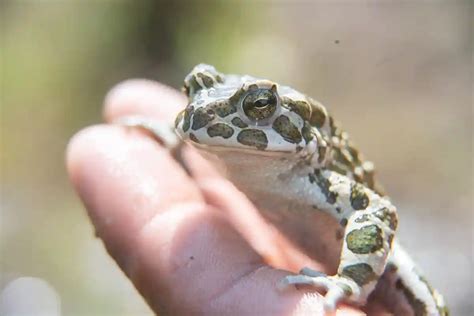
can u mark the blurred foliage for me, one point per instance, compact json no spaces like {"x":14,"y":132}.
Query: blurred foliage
{"x":397,"y":75}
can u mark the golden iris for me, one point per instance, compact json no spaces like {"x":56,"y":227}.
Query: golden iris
{"x":260,"y":104}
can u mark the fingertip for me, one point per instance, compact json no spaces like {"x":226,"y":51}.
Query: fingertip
{"x":77,"y":147}
{"x":143,"y":97}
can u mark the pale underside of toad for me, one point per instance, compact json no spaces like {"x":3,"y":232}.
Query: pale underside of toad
{"x":286,"y":153}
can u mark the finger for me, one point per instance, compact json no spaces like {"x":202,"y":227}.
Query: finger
{"x":144,"y":97}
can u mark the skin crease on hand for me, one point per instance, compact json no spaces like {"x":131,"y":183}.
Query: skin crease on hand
{"x":189,"y":245}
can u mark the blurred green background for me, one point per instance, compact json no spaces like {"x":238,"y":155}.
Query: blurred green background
{"x":397,"y":75}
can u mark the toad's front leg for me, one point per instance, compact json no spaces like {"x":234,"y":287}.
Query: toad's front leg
{"x":370,"y":223}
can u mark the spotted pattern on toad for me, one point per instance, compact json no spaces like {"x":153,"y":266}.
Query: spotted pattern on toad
{"x":289,"y":148}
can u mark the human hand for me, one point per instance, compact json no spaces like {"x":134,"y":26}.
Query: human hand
{"x":189,"y":245}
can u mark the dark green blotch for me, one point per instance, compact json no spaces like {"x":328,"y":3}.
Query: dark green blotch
{"x":359,"y":199}
{"x":346,"y":288}
{"x":343,"y":222}
{"x":188,"y":112}
{"x":254,"y":138}
{"x":235,"y":98}
{"x":341,"y":156}
{"x":208,"y":81}
{"x":237,"y":121}
{"x":318,"y":115}
{"x":361,"y":273}
{"x":201,"y":118}
{"x":365,"y":240}
{"x":363,"y":218}
{"x":306,"y":131}
{"x":419,"y":308}
{"x":286,"y":129}
{"x":222,"y":108}
{"x":179,"y":118}
{"x":191,"y":87}
{"x":324,"y":184}
{"x":388,"y":217}
{"x":220,"y":129}
{"x":299,"y":107}
{"x":321,"y":153}
{"x":193,"y":138}
{"x":219,"y":78}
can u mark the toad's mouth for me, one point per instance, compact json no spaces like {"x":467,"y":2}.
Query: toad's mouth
{"x":249,"y":151}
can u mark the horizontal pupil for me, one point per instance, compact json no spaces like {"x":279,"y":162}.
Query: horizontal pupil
{"x":261,"y":103}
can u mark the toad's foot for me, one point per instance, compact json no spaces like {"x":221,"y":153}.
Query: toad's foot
{"x":337,"y":288}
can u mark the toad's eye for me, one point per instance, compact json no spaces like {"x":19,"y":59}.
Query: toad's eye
{"x":260,"y":104}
